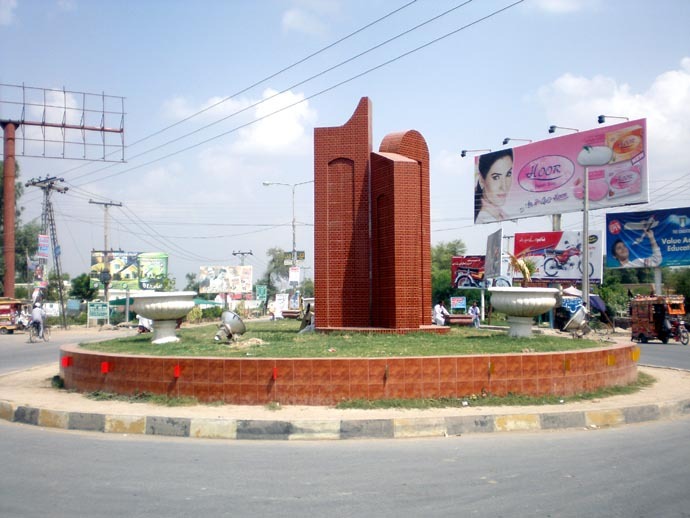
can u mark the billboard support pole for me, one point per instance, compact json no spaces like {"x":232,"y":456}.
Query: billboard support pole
{"x":657,"y":280}
{"x":585,"y":242}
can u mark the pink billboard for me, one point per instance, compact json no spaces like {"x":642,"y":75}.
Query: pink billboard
{"x":546,"y":178}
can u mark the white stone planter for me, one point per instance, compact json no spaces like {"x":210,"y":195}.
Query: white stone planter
{"x":164,"y":308}
{"x":522,"y":305}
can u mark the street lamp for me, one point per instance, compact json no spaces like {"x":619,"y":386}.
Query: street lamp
{"x":552,"y":128}
{"x":508,"y":139}
{"x":294,"y":236}
{"x":464,"y":152}
{"x":602,"y":118}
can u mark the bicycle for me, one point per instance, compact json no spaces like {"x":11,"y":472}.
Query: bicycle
{"x":33,"y":333}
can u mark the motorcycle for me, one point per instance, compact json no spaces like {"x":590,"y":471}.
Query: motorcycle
{"x":470,"y":278}
{"x":677,"y":329}
{"x":565,"y":259}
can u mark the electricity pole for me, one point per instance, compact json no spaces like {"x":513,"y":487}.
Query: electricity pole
{"x":242,"y":254}
{"x":106,"y":278}
{"x":47,"y":185}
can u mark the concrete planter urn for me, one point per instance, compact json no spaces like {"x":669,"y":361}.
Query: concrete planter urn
{"x":522,"y":305}
{"x":164,"y":308}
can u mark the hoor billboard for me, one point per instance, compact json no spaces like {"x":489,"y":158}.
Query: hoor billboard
{"x":648,"y":239}
{"x":546,"y":177}
{"x":558,"y":255}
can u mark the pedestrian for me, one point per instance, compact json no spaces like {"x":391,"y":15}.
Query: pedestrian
{"x":440,"y":314}
{"x":474,"y":311}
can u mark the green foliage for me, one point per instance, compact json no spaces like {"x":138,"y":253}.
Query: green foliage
{"x":213,"y":313}
{"x":307,"y":288}
{"x":679,"y":280}
{"x":195,"y":315}
{"x":168,"y":283}
{"x":441,"y":256}
{"x":276,"y":271}
{"x":81,"y":288}
{"x":192,"y":282}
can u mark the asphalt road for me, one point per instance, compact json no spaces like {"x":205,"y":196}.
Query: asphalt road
{"x":637,"y":470}
{"x":633,"y":471}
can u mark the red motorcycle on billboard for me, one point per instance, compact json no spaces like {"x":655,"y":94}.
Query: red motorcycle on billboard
{"x":566,"y":259}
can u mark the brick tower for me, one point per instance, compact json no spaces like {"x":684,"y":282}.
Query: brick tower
{"x":372,"y":228}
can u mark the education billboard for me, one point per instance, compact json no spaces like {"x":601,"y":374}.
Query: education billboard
{"x":236,"y":280}
{"x":558,"y":255}
{"x":128,"y":270}
{"x":648,"y":239}
{"x":546,"y":177}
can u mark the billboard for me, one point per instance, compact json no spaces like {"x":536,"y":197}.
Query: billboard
{"x":236,"y":280}
{"x":494,"y":249}
{"x":648,"y":239}
{"x":128,"y":270}
{"x":467,"y":271}
{"x":558,"y":255}
{"x":545,"y":177}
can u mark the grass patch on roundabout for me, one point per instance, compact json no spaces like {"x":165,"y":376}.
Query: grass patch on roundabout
{"x":280,"y":339}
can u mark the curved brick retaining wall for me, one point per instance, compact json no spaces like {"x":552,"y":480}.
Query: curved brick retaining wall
{"x":326,"y":381}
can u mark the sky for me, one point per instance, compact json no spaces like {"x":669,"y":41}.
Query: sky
{"x":220,"y":96}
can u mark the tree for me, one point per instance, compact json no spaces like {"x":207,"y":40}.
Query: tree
{"x":276,"y":272}
{"x":441,"y":256}
{"x":81,"y":288}
{"x":192,"y":282}
{"x":307,"y":288}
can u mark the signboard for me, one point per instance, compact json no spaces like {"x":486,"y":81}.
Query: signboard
{"x":299,"y":254}
{"x":546,"y":177}
{"x":97,"y":310}
{"x":43,"y":250}
{"x":294,"y":274}
{"x":261,"y":292}
{"x":236,"y":280}
{"x":648,"y":239}
{"x":458,"y":303}
{"x":558,"y":255}
{"x":128,"y":270}
{"x":467,"y":271}
{"x":493,"y":254}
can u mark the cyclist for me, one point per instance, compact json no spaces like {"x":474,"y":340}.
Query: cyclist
{"x":38,"y":316}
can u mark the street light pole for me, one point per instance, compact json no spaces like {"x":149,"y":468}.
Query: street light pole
{"x":294,"y":221}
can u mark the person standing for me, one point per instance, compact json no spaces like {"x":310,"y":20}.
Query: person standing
{"x":474,"y":311}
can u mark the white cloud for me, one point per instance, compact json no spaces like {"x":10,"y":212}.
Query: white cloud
{"x":575,"y":102}
{"x":67,"y":5}
{"x":7,"y":8}
{"x":299,"y":20}
{"x":309,"y":16}
{"x":565,"y":6}
{"x":285,"y":132}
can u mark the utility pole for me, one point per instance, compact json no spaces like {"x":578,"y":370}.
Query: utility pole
{"x":106,"y":277}
{"x":242,"y":254}
{"x":47,"y":185}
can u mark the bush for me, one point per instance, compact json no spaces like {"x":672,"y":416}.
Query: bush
{"x":213,"y":313}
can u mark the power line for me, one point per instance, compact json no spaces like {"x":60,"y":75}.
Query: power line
{"x":321,"y":92}
{"x":265,"y":79}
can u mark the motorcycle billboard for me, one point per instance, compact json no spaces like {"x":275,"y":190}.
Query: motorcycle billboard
{"x":468,"y":271}
{"x":547,"y":177}
{"x":557,"y":256}
{"x":648,"y":239}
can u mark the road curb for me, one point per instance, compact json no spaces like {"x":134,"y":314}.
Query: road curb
{"x":340,"y":429}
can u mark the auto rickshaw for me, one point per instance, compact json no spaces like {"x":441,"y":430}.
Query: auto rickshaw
{"x":10,"y":312}
{"x":658,"y":318}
